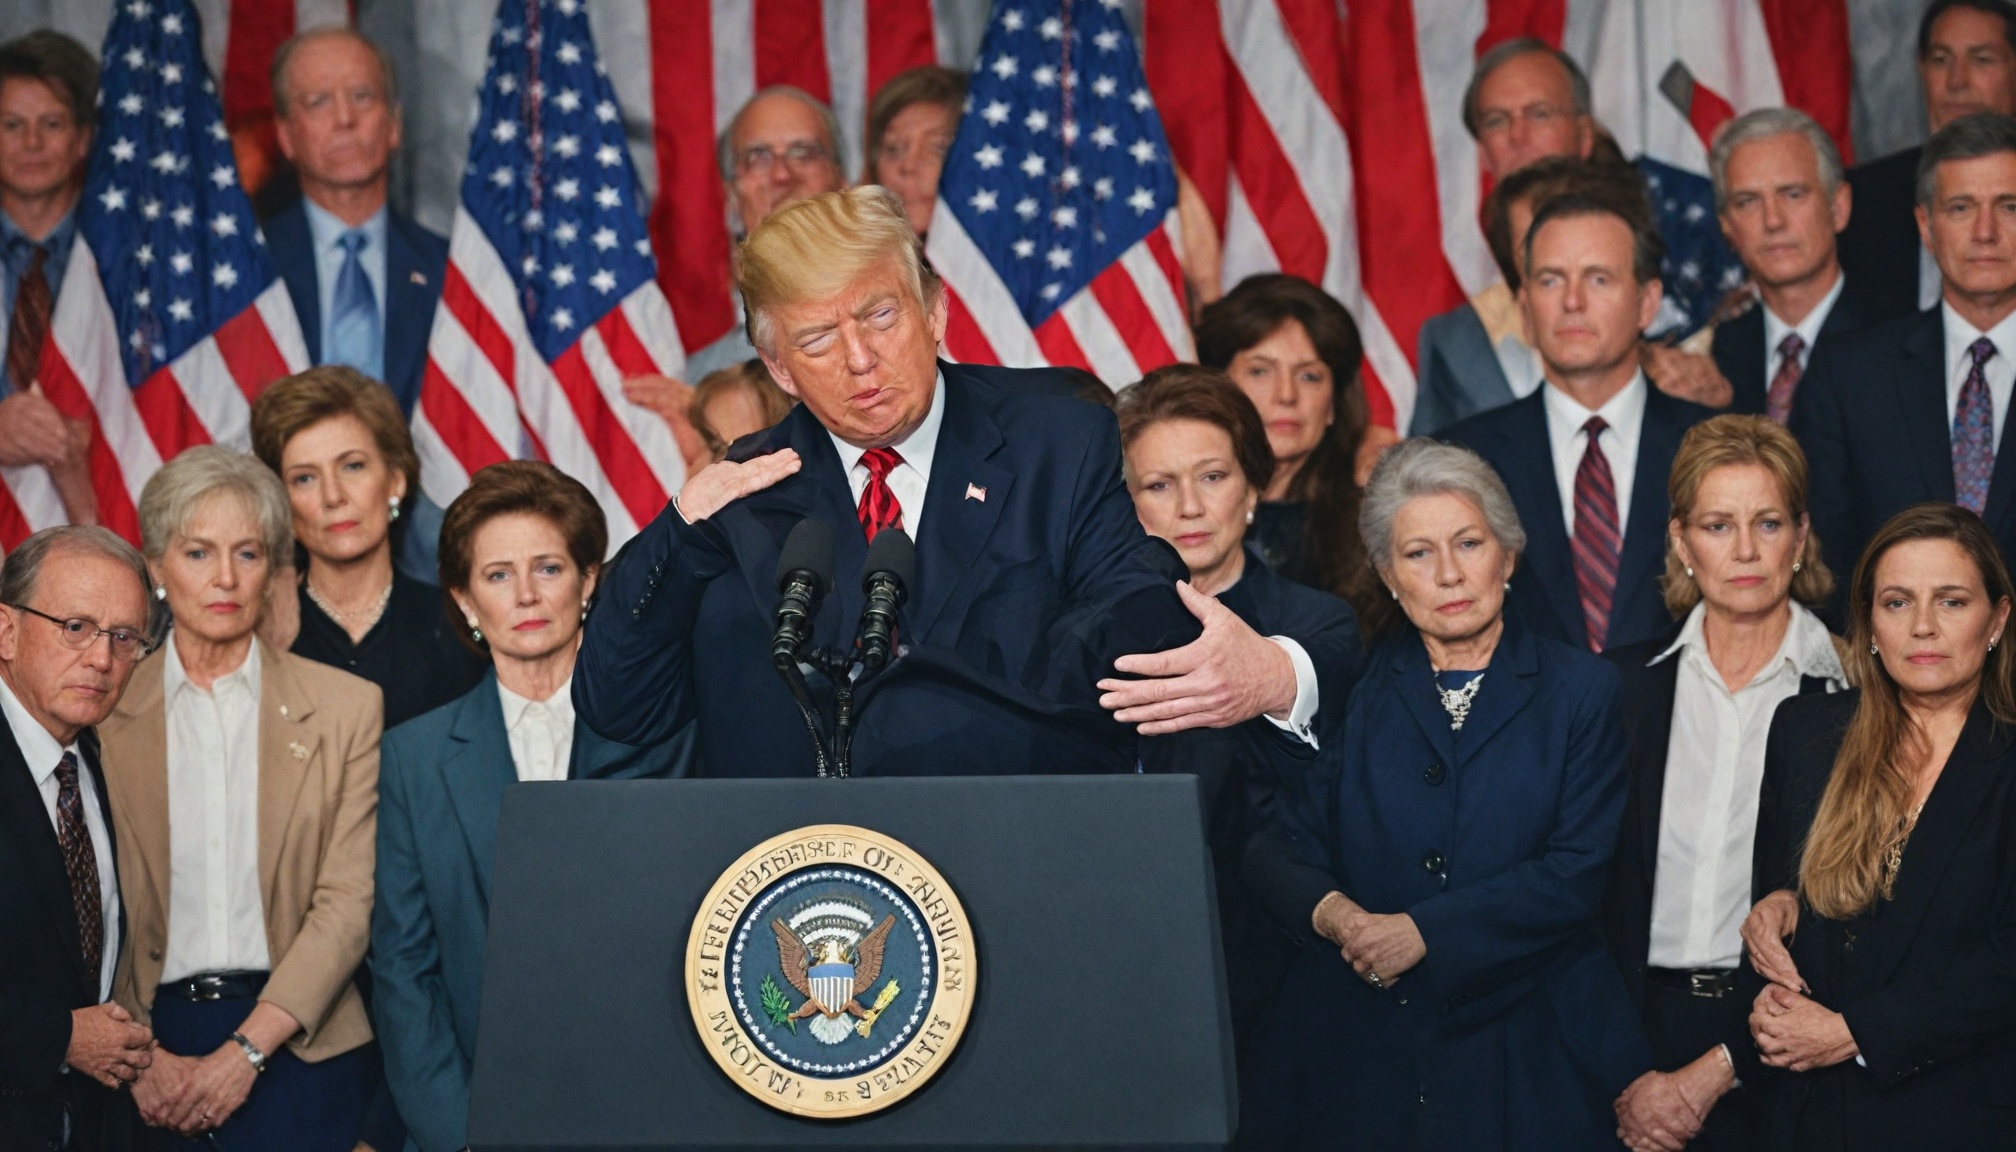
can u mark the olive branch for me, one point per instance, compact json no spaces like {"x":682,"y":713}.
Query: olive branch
{"x":777,"y":1006}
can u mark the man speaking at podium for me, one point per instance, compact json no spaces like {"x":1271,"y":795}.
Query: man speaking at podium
{"x":1031,"y":574}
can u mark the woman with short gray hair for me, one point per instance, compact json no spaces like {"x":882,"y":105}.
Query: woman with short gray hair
{"x":248,"y":780}
{"x":1446,"y":864}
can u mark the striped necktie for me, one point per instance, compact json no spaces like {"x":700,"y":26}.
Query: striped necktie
{"x":878,"y":508}
{"x":1778,"y":401}
{"x":80,"y":861}
{"x":29,"y":323}
{"x":1597,"y":542}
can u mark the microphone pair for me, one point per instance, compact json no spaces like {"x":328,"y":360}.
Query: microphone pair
{"x":805,"y":574}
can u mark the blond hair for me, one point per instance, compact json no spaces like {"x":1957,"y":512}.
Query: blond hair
{"x":1724,"y":442}
{"x":750,"y":376}
{"x":813,"y":248}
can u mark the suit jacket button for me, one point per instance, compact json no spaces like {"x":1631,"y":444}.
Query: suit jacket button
{"x":1435,"y":774}
{"x":1432,"y":862}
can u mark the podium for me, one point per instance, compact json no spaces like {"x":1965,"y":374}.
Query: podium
{"x":1100,"y":1018}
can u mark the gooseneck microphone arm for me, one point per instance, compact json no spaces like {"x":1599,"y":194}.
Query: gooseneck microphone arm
{"x":804,"y":573}
{"x":885,"y":580}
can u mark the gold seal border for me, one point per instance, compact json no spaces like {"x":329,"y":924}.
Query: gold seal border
{"x":720,"y":1030}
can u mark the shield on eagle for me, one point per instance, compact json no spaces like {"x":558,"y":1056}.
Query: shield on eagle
{"x":831,"y":956}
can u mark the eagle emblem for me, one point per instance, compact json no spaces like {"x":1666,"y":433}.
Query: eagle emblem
{"x":832,"y":957}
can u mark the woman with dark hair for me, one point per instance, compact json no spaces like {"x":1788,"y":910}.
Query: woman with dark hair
{"x":1295,"y":352}
{"x":520,"y":550}
{"x":1887,"y":843}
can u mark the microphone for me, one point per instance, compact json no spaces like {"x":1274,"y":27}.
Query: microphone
{"x":885,"y":580}
{"x":804,"y":573}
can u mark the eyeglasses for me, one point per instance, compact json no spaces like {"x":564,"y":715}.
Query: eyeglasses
{"x":1538,"y":116}
{"x":80,"y":634}
{"x":762,"y":158}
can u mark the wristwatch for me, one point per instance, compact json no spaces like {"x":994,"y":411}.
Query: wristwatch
{"x":252,"y":1053}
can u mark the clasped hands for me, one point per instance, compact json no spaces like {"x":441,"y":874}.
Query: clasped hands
{"x":1791,"y":1030}
{"x":1380,"y":948}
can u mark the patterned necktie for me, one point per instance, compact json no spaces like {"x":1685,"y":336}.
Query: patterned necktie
{"x":81,"y":862}
{"x":1778,"y":401}
{"x":30,"y":322}
{"x":1974,"y":432}
{"x":355,"y":326}
{"x":878,"y":508}
{"x":1597,"y":542}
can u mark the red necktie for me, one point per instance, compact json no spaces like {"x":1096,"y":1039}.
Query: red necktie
{"x":1597,"y":542}
{"x":878,"y":508}
{"x":29,"y":323}
{"x":81,"y":862}
{"x":1778,"y":401}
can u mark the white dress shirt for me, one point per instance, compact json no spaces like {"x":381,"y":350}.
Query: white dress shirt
{"x":1625,"y":415}
{"x":541,"y":732}
{"x":216,"y":913}
{"x":325,"y":230}
{"x":2000,"y":368}
{"x":43,"y":753}
{"x":1714,"y":772}
{"x":1775,"y":330}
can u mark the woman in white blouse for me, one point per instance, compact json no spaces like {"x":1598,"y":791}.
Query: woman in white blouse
{"x":520,"y":549}
{"x":244,"y":784}
{"x":1742,"y":572}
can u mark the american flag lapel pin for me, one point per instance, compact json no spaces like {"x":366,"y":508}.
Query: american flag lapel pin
{"x":976,"y":492}
{"x":418,"y":277}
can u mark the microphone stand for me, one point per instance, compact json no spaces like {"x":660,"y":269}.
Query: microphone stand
{"x":839,"y":668}
{"x":794,"y":680}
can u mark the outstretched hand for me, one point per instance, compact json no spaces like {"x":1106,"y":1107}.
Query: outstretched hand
{"x":726,"y":481}
{"x":1227,"y":676}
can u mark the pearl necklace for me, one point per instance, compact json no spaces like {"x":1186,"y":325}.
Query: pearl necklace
{"x":369,"y":620}
{"x":1457,"y":701}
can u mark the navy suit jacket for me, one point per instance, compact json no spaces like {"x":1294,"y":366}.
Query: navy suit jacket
{"x":441,"y":783}
{"x":1739,"y":346}
{"x":1879,"y":248}
{"x":1033,"y":574}
{"x":1513,"y":439}
{"x":415,"y":261}
{"x":1871,"y":415}
{"x":1515,"y":1030}
{"x":1460,"y":374}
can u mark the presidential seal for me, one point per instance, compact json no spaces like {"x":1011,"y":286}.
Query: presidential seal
{"x":830,"y":971}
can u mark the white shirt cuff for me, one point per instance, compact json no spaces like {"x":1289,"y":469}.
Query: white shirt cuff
{"x":1302,"y":716}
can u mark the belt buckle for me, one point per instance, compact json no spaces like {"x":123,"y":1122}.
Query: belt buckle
{"x":207,"y":988}
{"x":1706,"y":985}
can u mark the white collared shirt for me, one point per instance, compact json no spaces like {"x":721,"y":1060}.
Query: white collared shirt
{"x":326,"y":232}
{"x":1808,"y":330}
{"x":43,"y":753}
{"x":1714,"y":772}
{"x":1625,"y":415}
{"x":541,"y":732}
{"x":2000,"y":369}
{"x":216,"y":913}
{"x":911,"y":479}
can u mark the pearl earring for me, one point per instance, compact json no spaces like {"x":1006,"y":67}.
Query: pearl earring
{"x":1690,"y":573}
{"x":1395,"y":595}
{"x":1249,"y":516}
{"x":1795,"y":567}
{"x":395,"y":509}
{"x":160,"y":592}
{"x":1872,"y":648}
{"x":474,"y":630}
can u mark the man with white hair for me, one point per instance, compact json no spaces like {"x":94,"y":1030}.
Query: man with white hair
{"x":1032,"y":573}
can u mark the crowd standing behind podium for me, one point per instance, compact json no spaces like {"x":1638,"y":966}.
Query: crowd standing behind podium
{"x":1625,"y":760}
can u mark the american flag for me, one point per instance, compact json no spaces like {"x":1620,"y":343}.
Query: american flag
{"x":1056,"y":213}
{"x":171,"y":318}
{"x":550,"y":301}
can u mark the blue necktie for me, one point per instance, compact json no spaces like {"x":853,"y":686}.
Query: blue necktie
{"x":356,"y":330}
{"x":1974,"y":432}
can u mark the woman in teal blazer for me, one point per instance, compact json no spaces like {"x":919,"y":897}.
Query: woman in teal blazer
{"x":519,"y":554}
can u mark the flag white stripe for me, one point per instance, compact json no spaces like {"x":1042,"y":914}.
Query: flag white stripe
{"x":465,"y":367}
{"x":1156,"y":292}
{"x":987,"y":299}
{"x":1248,"y":251}
{"x":83,"y":328}
{"x":204,"y":379}
{"x":1445,"y":38}
{"x":734,"y":23}
{"x":35,"y":494}
{"x":442,"y":477}
{"x":845,"y":23}
{"x":276,"y":311}
{"x":1111,"y":359}
{"x":647,"y":429}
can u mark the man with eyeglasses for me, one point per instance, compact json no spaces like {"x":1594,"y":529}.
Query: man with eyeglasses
{"x":782,"y":147}
{"x":74,"y":621}
{"x":1527,"y":102}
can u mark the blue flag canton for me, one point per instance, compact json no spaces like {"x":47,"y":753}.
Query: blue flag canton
{"x":178,"y":249}
{"x":1060,"y":165}
{"x":549,"y":178}
{"x":1700,"y":270}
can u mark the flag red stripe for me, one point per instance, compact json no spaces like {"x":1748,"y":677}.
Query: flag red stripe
{"x":1509,"y":19}
{"x":1707,"y":112}
{"x":1316,"y":31}
{"x":13,"y":525}
{"x":1183,"y":54}
{"x":1272,"y":189}
{"x":626,"y":351}
{"x":458,"y":425}
{"x":1165,"y":256}
{"x":791,"y":47}
{"x":621,"y":462}
{"x":1117,"y":293}
{"x":250,"y":353}
{"x":1060,"y":347}
{"x":963,"y":337}
{"x":687,"y":233}
{"x":60,"y":384}
{"x":900,"y":37}
{"x":1809,"y":40}
{"x":165,"y":412}
{"x":460,"y":298}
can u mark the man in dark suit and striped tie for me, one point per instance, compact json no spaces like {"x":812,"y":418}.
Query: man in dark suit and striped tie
{"x":1587,"y":455}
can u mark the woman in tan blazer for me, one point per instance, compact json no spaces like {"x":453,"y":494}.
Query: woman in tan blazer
{"x":246,"y":781}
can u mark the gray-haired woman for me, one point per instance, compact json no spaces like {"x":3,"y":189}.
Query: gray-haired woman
{"x":244,"y":781}
{"x":1445,"y":863}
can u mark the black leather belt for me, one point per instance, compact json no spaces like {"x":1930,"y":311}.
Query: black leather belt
{"x":215,"y":986}
{"x":1707,"y":983}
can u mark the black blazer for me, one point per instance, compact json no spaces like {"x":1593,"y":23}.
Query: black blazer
{"x":1739,"y":346}
{"x":1879,"y":248}
{"x":1871,"y":415}
{"x":1513,"y":439}
{"x":1925,"y":980}
{"x":1649,"y":691}
{"x":42,"y":974}
{"x":1033,"y":575}
{"x":415,"y":262}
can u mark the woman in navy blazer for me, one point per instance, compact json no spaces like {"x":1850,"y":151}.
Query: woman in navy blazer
{"x":519,"y":553}
{"x":1448,"y":867}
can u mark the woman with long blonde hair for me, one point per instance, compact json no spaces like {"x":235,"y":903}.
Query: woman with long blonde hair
{"x":1887,"y":844}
